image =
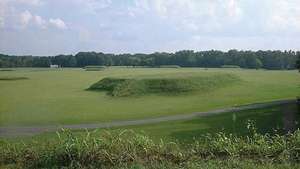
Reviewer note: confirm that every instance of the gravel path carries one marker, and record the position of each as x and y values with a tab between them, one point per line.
14	131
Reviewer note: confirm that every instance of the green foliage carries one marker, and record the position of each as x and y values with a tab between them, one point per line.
298	61
184	58
126	148
129	87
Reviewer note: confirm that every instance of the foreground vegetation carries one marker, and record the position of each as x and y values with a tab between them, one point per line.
126	149
58	96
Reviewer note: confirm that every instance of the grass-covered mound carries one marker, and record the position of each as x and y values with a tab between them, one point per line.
126	149
169	66
7	70
13	78
173	85
94	68
230	66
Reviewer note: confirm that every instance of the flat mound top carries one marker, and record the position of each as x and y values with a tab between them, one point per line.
169	84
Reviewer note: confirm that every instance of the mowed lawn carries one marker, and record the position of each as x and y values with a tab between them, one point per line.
266	120
58	96
271	120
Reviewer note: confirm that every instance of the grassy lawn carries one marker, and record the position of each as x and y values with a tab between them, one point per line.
266	120
58	96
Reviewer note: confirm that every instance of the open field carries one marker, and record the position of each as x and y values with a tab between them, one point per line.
273	119
282	107
58	96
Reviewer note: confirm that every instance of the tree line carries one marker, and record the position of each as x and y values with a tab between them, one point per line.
185	58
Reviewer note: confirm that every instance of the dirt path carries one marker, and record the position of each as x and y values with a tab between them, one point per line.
14	131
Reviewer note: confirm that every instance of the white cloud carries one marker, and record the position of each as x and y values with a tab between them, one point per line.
25	18
2	13
284	16
190	8
84	35
1	22
233	9
193	15
93	6
145	25
12	17
23	2
28	2
39	21
58	23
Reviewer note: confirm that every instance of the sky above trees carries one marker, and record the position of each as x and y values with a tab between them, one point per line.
50	27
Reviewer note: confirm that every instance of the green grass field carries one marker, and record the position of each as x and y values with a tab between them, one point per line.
58	96
267	120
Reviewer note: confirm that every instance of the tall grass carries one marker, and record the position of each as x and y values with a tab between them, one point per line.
126	148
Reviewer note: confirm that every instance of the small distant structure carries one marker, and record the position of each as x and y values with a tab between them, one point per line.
94	68
54	66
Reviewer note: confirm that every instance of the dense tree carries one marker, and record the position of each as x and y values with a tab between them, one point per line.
184	58
298	61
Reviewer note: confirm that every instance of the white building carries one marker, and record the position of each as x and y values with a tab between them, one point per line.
54	66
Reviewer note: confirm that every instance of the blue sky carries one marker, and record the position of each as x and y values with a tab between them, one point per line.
50	27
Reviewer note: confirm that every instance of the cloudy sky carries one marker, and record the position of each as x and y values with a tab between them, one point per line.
49	27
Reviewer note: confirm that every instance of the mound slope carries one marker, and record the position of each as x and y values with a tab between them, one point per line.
13	78
168	86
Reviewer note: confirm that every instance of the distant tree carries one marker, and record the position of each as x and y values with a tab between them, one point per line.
298	61
253	62
184	58
258	64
